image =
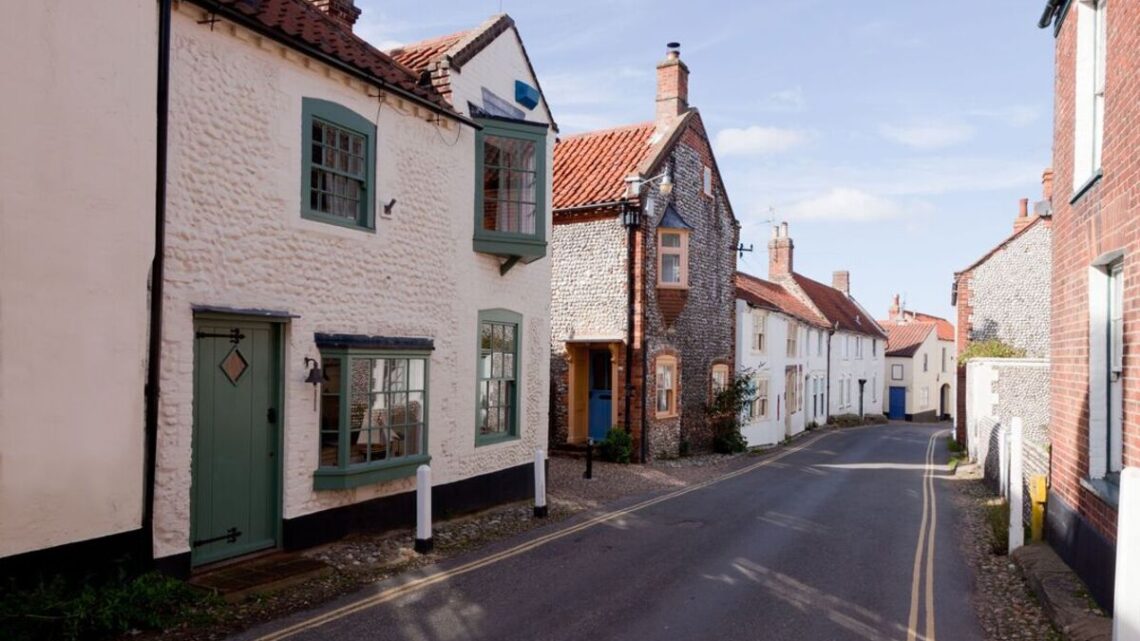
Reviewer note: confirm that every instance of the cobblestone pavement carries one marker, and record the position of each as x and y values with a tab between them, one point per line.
1006	608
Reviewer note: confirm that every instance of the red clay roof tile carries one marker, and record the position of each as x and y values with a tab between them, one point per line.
591	168
421	55
769	295
840	309
300	23
904	339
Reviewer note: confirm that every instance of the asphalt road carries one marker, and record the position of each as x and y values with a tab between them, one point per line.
827	540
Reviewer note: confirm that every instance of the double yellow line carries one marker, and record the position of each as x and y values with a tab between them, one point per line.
925	545
438	577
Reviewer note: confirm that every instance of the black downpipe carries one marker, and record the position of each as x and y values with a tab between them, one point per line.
629	319
157	277
644	356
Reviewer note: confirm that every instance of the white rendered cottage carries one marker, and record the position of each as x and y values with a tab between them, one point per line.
921	366
354	279
780	346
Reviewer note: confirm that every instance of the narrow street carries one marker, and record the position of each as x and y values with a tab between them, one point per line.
828	539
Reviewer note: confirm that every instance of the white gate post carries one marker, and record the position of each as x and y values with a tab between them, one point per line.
423	510
1016	529
540	509
1003	460
1126	602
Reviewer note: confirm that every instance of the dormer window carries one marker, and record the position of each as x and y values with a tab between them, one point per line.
672	251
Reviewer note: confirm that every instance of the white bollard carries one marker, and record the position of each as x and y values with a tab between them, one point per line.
1126	602
540	509
1016	465
1003	461
423	510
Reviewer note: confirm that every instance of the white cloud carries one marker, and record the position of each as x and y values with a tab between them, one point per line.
1013	115
853	205
784	101
757	140
929	135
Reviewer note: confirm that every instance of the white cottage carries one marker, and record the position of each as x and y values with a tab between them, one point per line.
780	345
853	343
354	279
921	366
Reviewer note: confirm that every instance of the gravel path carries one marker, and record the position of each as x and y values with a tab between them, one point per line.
1005	606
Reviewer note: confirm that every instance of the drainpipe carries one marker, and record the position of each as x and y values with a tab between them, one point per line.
827	390
157	276
627	215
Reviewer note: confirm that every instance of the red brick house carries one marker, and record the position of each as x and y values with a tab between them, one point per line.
1095	427
643	258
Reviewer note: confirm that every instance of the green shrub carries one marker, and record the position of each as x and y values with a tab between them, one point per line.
954	446
997	516
725	411
988	349
617	447
56	608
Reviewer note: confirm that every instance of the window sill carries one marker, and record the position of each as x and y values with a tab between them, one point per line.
526	249
329	478
672	286
495	439
665	416
339	222
1086	187
1104	489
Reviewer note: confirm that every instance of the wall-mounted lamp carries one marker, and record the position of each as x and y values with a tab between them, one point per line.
635	183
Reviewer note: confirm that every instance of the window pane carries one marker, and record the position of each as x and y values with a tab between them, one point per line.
416	368
330	413
670	268
670	240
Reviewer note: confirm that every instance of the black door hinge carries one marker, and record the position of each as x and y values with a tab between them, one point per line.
231	536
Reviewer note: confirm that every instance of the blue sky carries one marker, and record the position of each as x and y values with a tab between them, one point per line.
895	136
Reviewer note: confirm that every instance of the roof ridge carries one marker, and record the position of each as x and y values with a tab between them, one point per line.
426	42
599	132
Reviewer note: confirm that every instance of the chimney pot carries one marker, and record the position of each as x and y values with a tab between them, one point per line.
1023	208
841	280
1047	183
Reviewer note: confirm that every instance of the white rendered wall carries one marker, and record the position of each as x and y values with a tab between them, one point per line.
76	241
848	366
237	240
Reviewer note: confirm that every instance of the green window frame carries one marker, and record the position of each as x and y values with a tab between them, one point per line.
511	153
497	376
381	432
338	165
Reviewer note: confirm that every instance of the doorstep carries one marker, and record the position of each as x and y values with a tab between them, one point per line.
1063	596
260	575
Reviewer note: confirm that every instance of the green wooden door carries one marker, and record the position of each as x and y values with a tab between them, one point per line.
234	485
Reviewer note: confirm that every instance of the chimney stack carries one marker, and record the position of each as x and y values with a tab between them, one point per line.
780	250
893	313
1047	184
672	86
841	280
1023	217
342	12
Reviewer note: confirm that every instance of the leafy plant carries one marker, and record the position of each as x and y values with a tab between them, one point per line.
725	411
997	516
617	447
992	348
75	610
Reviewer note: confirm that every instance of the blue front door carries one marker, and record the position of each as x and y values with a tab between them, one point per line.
601	394
898	403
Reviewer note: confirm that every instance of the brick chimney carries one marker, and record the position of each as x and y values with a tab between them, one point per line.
1047	184
893	312
842	281
780	250
342	12
672	86
1023	217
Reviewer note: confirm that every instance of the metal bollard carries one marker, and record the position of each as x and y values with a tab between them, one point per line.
540	509
589	459
423	510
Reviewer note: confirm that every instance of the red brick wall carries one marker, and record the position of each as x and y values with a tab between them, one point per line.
1105	218
963	338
